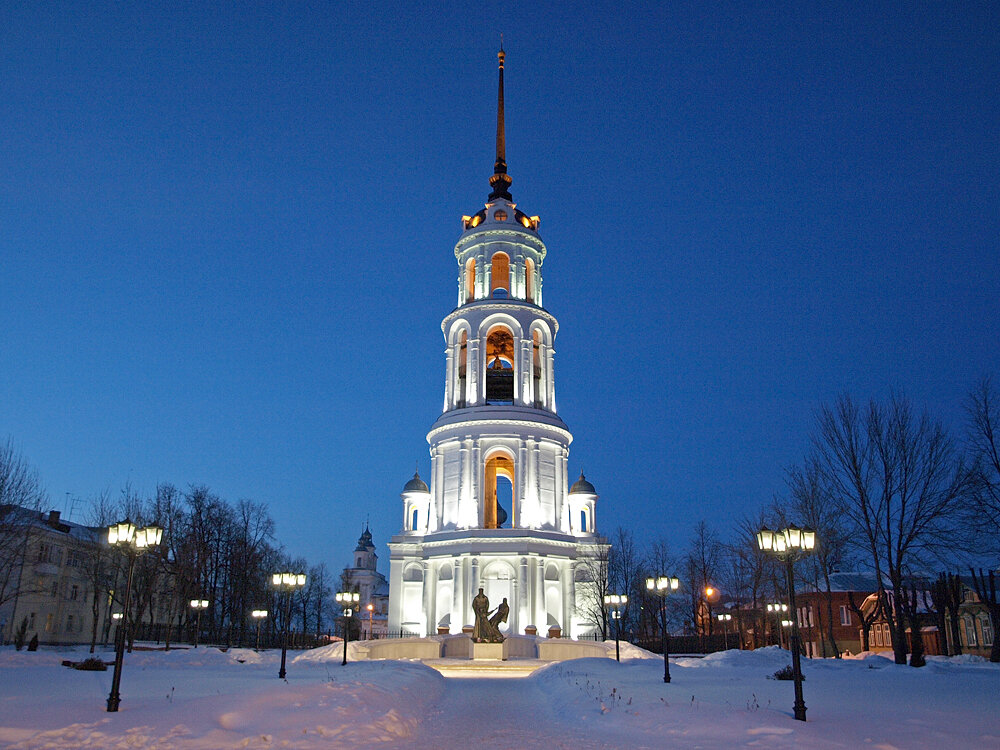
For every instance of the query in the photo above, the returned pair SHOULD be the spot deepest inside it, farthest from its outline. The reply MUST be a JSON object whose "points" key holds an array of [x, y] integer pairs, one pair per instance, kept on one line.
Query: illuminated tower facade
{"points": [[498, 513]]}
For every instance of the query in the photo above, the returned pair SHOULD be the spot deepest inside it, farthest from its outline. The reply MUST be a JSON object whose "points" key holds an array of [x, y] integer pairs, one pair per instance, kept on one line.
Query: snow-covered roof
{"points": [[856, 581]]}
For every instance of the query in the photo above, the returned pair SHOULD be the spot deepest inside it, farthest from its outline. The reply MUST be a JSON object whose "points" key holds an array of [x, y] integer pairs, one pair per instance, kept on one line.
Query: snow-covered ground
{"points": [[202, 699]]}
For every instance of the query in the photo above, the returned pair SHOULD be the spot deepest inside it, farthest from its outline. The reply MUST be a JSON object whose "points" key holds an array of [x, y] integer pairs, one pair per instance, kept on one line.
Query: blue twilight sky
{"points": [[227, 231]]}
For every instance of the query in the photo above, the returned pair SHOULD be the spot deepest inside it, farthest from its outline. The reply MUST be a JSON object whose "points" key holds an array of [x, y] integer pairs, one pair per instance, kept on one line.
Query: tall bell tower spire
{"points": [[500, 182]]}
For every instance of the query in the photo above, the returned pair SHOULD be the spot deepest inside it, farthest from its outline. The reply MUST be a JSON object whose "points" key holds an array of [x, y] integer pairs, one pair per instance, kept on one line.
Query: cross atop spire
{"points": [[500, 182]]}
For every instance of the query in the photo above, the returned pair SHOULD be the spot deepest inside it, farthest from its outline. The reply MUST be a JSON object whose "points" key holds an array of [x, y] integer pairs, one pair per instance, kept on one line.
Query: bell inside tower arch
{"points": [[500, 365]]}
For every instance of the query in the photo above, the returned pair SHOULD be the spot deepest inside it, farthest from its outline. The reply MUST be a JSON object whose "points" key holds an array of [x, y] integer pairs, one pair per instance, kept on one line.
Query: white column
{"points": [[523, 515], [473, 587], [472, 372], [550, 381], [458, 600], [523, 593], [567, 600], [449, 381], [477, 491], [428, 596]]}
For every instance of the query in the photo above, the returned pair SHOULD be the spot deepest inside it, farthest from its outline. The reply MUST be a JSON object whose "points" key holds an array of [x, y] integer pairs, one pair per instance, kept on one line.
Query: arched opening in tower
{"points": [[536, 369], [498, 492], [463, 360], [500, 365], [499, 272], [470, 280], [529, 280]]}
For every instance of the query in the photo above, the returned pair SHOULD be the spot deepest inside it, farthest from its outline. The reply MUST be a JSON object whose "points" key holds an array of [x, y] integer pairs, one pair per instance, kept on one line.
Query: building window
{"points": [[44, 550], [845, 615], [49, 618], [987, 627], [583, 520], [55, 588], [970, 632], [414, 519], [69, 623], [73, 592]]}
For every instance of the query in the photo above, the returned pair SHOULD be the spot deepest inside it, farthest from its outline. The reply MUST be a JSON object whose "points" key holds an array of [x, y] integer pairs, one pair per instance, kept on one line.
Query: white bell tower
{"points": [[499, 513]]}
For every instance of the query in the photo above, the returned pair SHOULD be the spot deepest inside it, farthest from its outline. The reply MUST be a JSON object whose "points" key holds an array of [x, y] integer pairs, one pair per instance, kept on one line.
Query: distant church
{"points": [[364, 578], [499, 512]]}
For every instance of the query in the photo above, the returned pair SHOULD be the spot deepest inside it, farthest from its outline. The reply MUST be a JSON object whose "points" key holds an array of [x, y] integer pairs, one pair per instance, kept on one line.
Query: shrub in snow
{"points": [[91, 665], [785, 673]]}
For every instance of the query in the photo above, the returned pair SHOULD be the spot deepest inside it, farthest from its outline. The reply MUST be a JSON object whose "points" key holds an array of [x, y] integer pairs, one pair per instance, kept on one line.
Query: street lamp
{"points": [[778, 609], [347, 600], [615, 603], [788, 545], [132, 542], [724, 619], [199, 605], [371, 612], [259, 615], [287, 583], [705, 628], [661, 586]]}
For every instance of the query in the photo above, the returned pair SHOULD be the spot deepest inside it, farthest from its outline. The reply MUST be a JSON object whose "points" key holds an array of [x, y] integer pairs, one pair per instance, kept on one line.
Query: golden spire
{"points": [[500, 182]]}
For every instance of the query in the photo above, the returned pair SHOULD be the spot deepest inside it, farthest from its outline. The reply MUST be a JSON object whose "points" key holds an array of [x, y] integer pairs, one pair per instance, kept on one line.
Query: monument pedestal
{"points": [[490, 651]]}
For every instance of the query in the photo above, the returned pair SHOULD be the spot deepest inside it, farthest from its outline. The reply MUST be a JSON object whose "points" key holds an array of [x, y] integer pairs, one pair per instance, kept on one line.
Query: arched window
{"points": [[500, 273], [414, 519], [470, 280], [498, 490], [529, 280], [500, 365], [463, 366], [536, 369], [583, 520]]}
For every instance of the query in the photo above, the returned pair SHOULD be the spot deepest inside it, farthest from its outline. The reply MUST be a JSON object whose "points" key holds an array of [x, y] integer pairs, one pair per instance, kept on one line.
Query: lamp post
{"points": [[788, 545], [347, 600], [133, 543], [661, 586], [198, 605], [259, 615], [287, 583], [778, 610], [371, 612], [615, 603], [724, 618]]}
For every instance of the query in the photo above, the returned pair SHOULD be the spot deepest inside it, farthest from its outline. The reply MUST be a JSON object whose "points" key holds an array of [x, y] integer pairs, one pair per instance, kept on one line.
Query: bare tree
{"points": [[983, 408], [702, 565], [866, 620], [986, 589], [98, 563], [21, 499], [593, 581], [899, 482], [811, 504]]}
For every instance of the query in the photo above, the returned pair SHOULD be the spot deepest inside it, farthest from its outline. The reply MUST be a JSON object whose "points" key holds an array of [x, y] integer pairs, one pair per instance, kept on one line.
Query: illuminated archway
{"points": [[498, 467], [500, 365], [463, 366], [529, 280], [470, 280], [500, 272]]}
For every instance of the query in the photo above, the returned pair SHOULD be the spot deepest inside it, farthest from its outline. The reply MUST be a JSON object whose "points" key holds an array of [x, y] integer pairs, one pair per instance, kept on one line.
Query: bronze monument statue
{"points": [[486, 628]]}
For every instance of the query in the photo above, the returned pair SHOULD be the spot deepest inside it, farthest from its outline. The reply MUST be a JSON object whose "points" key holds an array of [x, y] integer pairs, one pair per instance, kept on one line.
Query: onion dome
{"points": [[365, 540], [582, 487], [416, 484]]}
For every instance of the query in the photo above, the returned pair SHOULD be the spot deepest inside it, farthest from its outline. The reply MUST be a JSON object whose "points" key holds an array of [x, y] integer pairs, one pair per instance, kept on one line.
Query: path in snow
{"points": [[503, 713]]}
